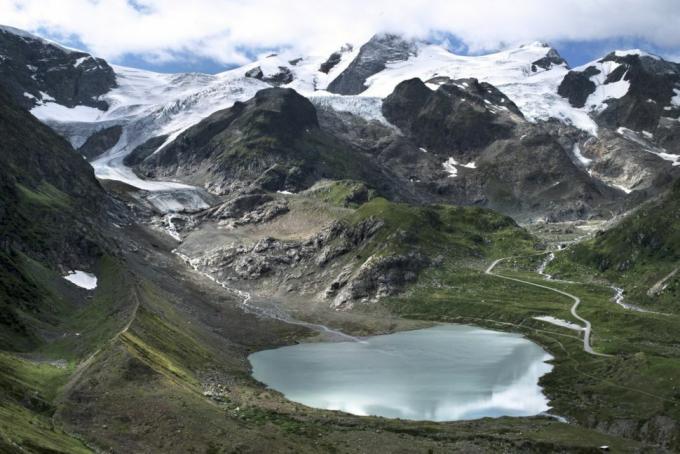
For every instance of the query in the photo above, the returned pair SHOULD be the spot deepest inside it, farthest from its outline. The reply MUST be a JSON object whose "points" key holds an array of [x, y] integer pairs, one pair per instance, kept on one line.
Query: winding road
{"points": [[587, 328]]}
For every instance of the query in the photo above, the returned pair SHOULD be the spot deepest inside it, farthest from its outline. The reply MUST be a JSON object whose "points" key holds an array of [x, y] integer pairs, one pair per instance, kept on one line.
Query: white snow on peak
{"points": [[641, 53], [82, 279], [534, 92], [26, 35], [149, 104]]}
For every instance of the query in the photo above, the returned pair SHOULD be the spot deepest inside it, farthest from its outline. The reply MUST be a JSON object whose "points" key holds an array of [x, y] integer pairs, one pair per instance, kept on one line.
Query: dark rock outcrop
{"points": [[552, 58], [143, 151], [273, 141], [577, 86], [282, 77], [101, 141], [329, 64], [459, 116], [34, 70], [653, 82], [652, 86]]}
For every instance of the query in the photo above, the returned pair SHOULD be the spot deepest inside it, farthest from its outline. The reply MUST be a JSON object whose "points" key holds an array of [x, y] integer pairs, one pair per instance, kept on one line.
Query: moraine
{"points": [[444, 373]]}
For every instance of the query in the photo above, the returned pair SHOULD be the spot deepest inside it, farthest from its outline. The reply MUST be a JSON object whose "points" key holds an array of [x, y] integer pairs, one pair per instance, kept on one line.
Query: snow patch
{"points": [[559, 322], [82, 279], [45, 97], [368, 108], [582, 159], [80, 61], [638, 52], [675, 100], [534, 93], [648, 147], [56, 112], [623, 188], [605, 91], [450, 167]]}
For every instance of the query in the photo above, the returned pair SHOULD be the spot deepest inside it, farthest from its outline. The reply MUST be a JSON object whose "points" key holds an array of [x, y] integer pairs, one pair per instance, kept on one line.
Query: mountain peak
{"points": [[372, 58]]}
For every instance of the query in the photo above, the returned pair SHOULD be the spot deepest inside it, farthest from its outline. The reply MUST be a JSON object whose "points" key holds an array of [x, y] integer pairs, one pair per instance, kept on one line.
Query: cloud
{"points": [[227, 30]]}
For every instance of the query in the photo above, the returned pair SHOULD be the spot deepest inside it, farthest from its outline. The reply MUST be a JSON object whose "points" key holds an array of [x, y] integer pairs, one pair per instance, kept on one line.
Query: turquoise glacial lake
{"points": [[443, 373]]}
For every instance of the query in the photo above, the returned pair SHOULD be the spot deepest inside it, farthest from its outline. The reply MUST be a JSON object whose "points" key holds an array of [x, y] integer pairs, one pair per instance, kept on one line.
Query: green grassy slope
{"points": [[640, 251]]}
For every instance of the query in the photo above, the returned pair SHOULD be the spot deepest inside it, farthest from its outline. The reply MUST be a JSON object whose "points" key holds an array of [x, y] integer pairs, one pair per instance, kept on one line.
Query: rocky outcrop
{"points": [[248, 209], [35, 71], [552, 58], [329, 64], [272, 142], [377, 277], [101, 141], [577, 86], [282, 77], [652, 84], [459, 116], [372, 58]]}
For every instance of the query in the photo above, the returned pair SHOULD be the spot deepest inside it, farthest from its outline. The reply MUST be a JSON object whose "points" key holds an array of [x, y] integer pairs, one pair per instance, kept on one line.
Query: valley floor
{"points": [[170, 371]]}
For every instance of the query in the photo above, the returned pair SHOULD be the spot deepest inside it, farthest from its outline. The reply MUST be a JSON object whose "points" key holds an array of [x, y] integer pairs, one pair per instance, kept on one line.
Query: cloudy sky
{"points": [[210, 35]]}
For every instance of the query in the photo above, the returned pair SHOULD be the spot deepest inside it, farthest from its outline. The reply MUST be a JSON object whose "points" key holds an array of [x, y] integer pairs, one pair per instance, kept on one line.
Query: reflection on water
{"points": [[445, 373]]}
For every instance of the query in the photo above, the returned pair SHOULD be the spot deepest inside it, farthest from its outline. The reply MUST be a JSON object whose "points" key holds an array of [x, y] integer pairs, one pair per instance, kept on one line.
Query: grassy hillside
{"points": [[642, 250]]}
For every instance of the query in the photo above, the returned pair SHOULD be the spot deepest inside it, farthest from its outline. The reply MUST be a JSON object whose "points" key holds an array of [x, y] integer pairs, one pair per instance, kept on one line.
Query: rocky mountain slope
{"points": [[54, 214], [249, 209], [533, 78], [155, 345], [38, 72]]}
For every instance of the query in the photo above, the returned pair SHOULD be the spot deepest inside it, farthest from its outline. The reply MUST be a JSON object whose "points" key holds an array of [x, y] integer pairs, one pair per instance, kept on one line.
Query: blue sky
{"points": [[214, 35]]}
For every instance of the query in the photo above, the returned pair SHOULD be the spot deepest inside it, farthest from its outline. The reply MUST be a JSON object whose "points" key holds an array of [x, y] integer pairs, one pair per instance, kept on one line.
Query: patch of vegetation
{"points": [[342, 193], [445, 230], [636, 387], [26, 407], [46, 195], [640, 251]]}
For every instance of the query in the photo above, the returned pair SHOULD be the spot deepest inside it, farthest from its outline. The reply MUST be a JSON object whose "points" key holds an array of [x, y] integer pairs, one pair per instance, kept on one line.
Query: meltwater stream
{"points": [[444, 373]]}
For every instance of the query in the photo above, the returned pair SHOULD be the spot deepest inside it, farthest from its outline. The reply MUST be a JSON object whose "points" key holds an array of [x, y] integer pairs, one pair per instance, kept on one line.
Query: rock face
{"points": [[329, 64], [648, 85], [282, 77], [52, 209], [653, 84], [459, 116], [272, 141], [33, 70], [376, 278], [101, 141], [143, 151], [552, 58], [577, 86], [371, 59]]}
